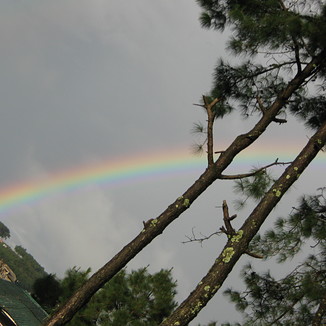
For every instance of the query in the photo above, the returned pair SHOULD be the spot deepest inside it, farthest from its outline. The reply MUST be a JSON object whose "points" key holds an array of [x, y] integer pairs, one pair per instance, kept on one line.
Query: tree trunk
{"points": [[154, 227], [237, 244]]}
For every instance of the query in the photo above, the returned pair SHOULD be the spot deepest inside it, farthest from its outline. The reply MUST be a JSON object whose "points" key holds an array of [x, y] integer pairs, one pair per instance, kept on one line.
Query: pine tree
{"points": [[137, 298], [280, 48], [46, 291], [299, 297], [4, 231]]}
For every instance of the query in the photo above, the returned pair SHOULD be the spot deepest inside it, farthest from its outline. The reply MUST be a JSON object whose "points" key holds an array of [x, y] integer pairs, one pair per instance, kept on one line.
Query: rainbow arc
{"points": [[123, 170]]}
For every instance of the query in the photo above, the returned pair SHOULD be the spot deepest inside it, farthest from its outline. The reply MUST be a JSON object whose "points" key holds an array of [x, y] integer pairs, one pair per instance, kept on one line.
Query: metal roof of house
{"points": [[20, 305]]}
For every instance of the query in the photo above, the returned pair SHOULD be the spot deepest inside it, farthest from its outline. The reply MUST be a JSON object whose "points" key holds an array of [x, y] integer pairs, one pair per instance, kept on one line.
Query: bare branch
{"points": [[201, 105], [266, 70], [228, 229], [250, 174], [283, 5], [209, 131], [203, 238], [210, 122], [254, 255], [297, 55], [279, 120]]}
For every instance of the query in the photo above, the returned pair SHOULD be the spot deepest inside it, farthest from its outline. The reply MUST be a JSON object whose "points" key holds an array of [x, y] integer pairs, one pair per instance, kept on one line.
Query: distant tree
{"points": [[21, 251], [27, 269], [299, 297], [46, 291], [137, 298], [4, 231], [280, 70], [73, 279]]}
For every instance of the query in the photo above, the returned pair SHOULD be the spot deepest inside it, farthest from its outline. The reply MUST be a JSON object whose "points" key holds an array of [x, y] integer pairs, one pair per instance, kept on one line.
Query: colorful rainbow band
{"points": [[124, 170]]}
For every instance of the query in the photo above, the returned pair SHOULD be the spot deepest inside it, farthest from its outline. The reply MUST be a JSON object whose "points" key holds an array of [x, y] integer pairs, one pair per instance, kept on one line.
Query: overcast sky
{"points": [[84, 81]]}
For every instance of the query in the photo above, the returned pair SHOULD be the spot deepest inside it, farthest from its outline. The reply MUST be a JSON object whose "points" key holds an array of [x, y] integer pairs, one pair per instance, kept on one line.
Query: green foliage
{"points": [[276, 38], [198, 128], [4, 231], [46, 291], [73, 279], [241, 85], [137, 298], [23, 264], [286, 33], [294, 299], [213, 16], [26, 268], [305, 223], [311, 110], [270, 23], [253, 187]]}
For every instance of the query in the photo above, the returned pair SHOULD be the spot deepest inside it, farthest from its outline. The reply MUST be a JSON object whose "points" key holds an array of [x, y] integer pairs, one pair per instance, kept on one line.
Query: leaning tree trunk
{"points": [[154, 227], [238, 241]]}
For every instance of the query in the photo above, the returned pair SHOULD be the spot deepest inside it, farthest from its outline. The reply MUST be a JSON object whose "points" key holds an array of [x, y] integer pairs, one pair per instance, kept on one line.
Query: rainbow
{"points": [[134, 168]]}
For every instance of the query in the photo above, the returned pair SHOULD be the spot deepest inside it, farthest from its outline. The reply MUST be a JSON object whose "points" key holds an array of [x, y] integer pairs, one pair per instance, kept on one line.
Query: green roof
{"points": [[20, 305]]}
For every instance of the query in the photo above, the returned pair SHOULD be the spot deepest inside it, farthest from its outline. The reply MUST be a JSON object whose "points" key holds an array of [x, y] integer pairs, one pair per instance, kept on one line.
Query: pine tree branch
{"points": [[211, 114], [194, 238], [228, 229], [250, 174], [269, 68], [297, 55], [210, 123], [286, 311], [253, 255], [295, 42], [263, 110]]}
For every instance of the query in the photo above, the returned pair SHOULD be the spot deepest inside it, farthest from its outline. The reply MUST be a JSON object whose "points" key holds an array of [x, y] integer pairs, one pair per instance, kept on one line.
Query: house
{"points": [[6, 273], [17, 307]]}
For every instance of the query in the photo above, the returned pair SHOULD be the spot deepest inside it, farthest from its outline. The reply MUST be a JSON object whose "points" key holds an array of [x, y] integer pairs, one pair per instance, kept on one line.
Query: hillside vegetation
{"points": [[23, 264]]}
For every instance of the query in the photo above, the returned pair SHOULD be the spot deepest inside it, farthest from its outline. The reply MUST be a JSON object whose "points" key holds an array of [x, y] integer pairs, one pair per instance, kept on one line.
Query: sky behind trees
{"points": [[86, 81]]}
